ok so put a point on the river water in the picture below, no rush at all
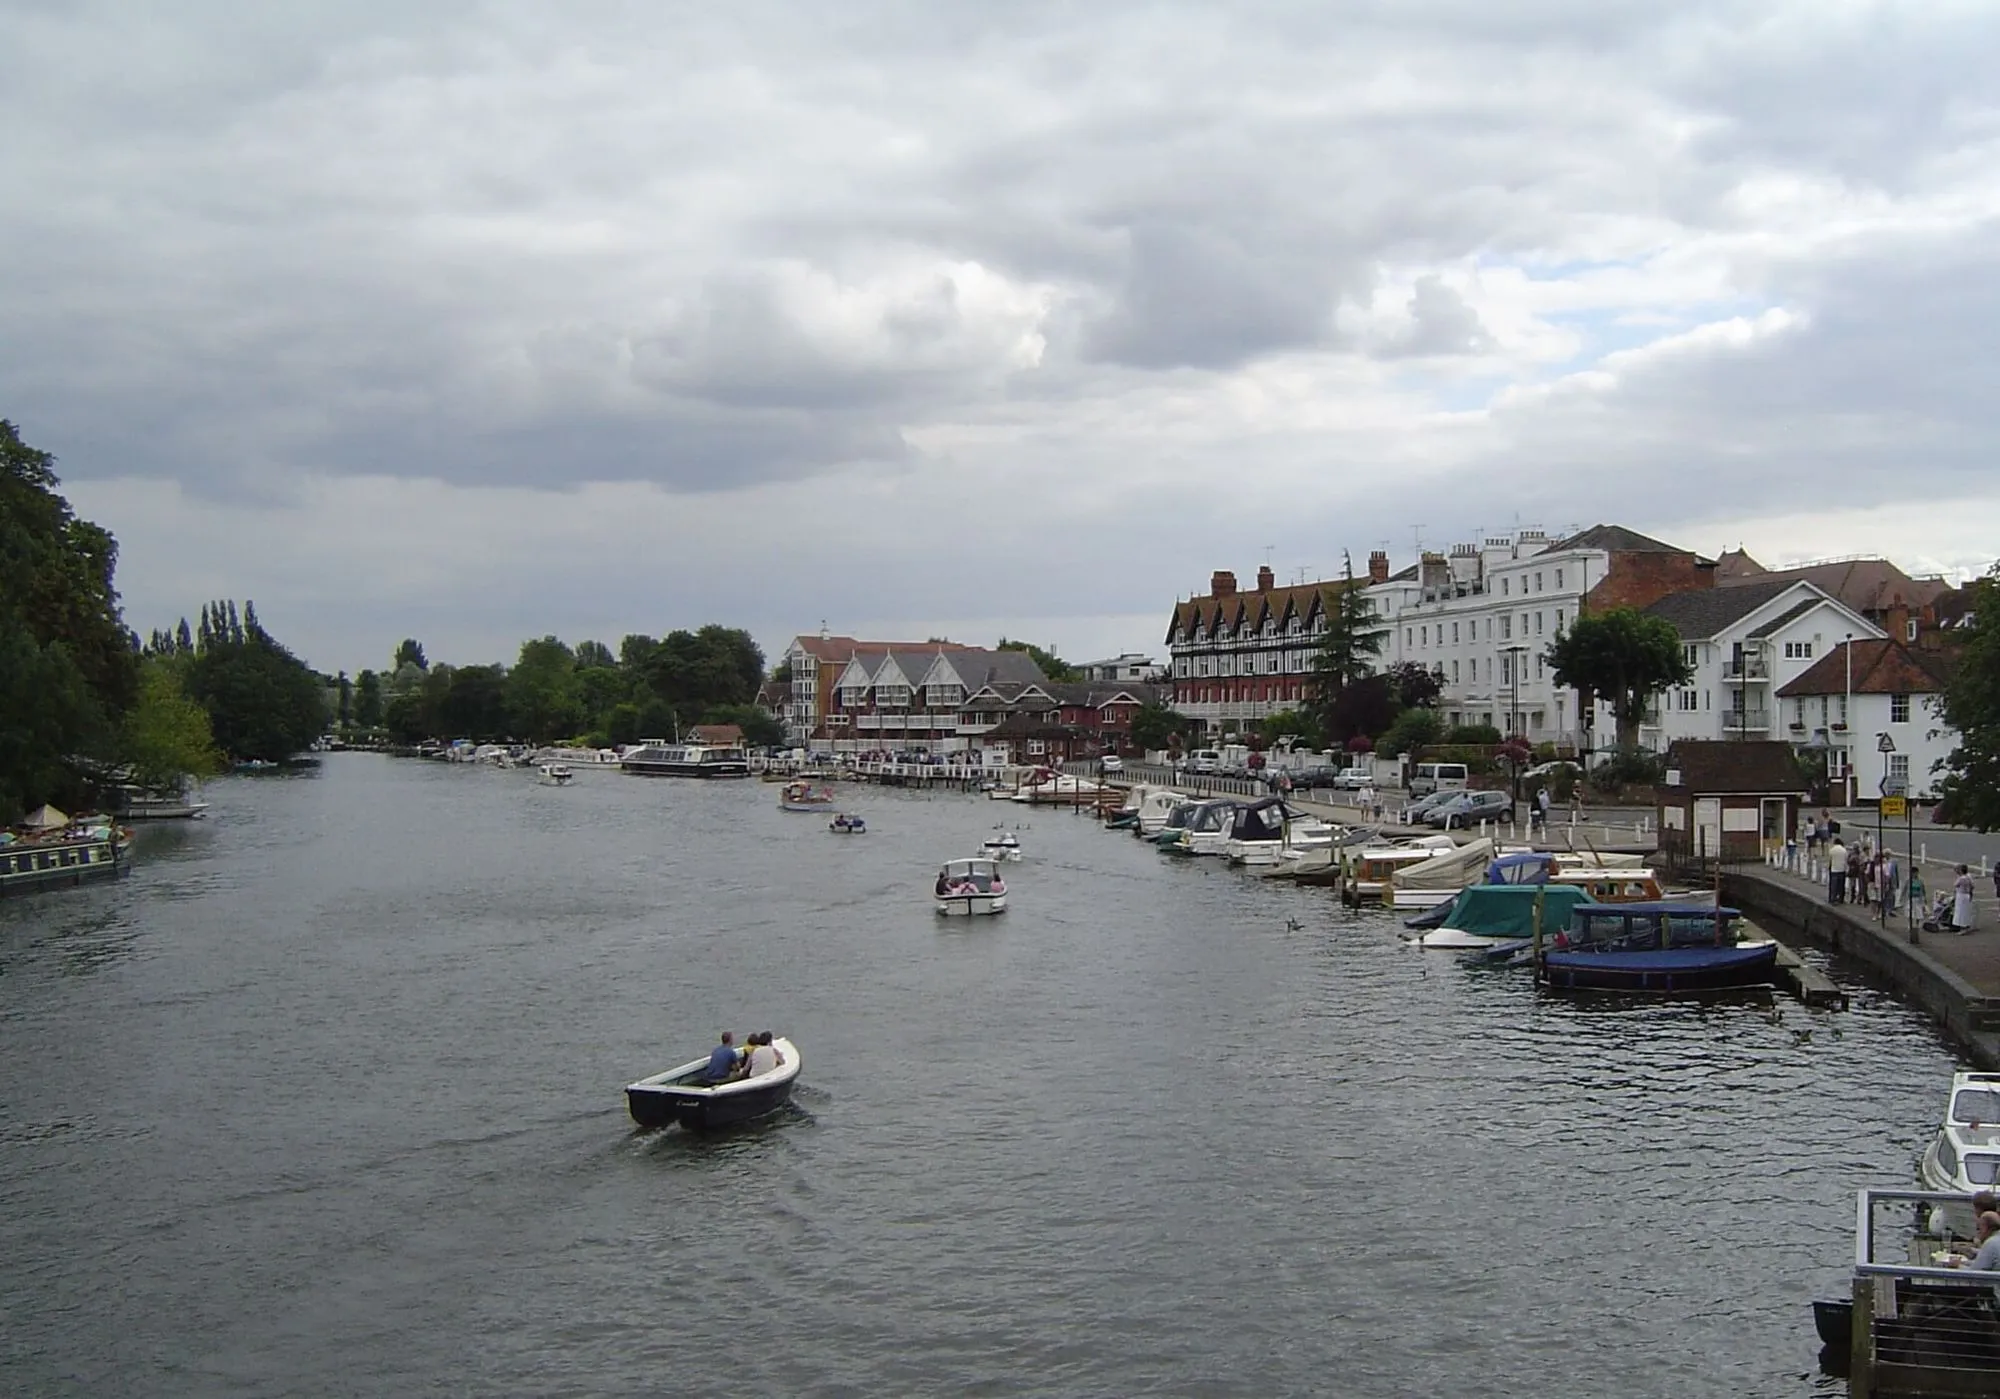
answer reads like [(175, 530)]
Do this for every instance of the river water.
[(325, 1099)]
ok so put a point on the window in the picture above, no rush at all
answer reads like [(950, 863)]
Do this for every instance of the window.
[(1473, 632), (1454, 672), (1910, 630), (1840, 710), (1507, 670), (1538, 624), (1423, 636), (1538, 667), (1559, 583), (1691, 653), (1899, 709), (1506, 628), (1798, 650), (1899, 768), (1454, 633), (1684, 700), (1559, 611), (1538, 582), (1409, 636), (1506, 586)]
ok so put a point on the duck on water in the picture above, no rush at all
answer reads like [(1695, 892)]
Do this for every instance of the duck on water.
[(725, 1086)]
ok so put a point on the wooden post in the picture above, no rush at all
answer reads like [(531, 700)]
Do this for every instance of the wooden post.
[(1861, 1345)]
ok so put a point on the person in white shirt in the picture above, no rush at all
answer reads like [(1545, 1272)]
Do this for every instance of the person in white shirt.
[(764, 1056)]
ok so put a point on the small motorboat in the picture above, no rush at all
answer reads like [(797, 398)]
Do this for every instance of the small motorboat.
[(681, 1095), (555, 775), (1004, 846), (970, 887), (805, 796), (1488, 915), (1833, 1318), (847, 824), (1653, 948), (1965, 1153)]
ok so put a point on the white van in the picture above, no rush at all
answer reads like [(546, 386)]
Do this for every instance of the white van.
[(1204, 760), (1437, 777)]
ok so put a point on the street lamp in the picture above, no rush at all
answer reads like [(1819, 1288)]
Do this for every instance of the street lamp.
[(1847, 724)]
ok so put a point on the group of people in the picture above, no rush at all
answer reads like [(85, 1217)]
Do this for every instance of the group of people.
[(1858, 873), (1985, 1234), (727, 1063)]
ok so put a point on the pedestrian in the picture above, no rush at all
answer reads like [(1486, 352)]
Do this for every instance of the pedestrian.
[(1891, 876), (1542, 800), (1836, 872), (1961, 901)]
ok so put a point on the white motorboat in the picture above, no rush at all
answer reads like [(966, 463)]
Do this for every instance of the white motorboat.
[(1207, 829), (1267, 831), (970, 887), (1965, 1154), (1004, 845), (138, 804), (1155, 806), (555, 775), (579, 760), (1057, 787)]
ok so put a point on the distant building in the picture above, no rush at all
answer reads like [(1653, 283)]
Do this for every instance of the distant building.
[(1130, 666), (717, 735), (814, 664), (1861, 691), (1241, 657), (919, 698), (1873, 587)]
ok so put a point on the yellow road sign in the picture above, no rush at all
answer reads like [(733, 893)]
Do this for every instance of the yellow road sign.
[(1892, 806)]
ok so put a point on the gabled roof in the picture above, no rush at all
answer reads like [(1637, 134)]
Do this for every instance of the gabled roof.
[(1884, 667), (1700, 613), (1759, 765), (1615, 539), (718, 735), (1863, 585), (1208, 610), (1096, 694)]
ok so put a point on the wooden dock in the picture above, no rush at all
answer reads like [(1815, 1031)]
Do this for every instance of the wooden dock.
[(1812, 987)]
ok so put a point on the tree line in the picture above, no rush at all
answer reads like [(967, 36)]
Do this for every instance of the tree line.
[(553, 693)]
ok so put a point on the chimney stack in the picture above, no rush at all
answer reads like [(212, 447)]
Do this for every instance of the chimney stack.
[(1265, 578), (1378, 567), (1222, 583), (1896, 621)]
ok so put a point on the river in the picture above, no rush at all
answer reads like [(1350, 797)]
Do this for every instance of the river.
[(325, 1099)]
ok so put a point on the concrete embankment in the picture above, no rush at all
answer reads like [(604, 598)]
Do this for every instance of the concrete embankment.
[(1952, 978)]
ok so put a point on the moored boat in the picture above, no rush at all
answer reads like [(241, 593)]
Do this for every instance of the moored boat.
[(1654, 949), (174, 804), (655, 758), (1486, 916), (1270, 831), (683, 1096), (1965, 1153), (1206, 829), (49, 849), (970, 887), (1371, 868)]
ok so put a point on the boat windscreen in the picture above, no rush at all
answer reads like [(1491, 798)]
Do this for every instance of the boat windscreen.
[(1981, 1170), (1976, 1105)]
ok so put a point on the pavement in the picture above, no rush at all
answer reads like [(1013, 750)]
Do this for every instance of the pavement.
[(1975, 956)]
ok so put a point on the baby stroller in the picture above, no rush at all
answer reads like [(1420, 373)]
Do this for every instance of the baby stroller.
[(1940, 917)]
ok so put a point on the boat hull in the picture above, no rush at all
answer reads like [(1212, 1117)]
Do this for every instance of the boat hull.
[(675, 1098), (1664, 972), (654, 768), (27, 868), (970, 905), (1833, 1318)]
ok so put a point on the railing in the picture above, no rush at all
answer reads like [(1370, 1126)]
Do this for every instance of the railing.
[(1745, 670), (1746, 720)]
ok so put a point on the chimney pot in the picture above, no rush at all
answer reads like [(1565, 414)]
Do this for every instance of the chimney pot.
[(1265, 578), (1378, 567), (1222, 583)]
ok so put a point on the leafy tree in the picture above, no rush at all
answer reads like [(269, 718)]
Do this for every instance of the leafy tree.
[(1366, 707), (262, 701), (409, 651), (593, 654), (344, 710), (471, 702), (783, 674), (69, 668), (1156, 727), (1416, 686), (1347, 647), (1413, 729), (1970, 703), (759, 729), (543, 699), (367, 699), (1294, 724), (1623, 656), (1472, 733), (166, 737), (1052, 665)]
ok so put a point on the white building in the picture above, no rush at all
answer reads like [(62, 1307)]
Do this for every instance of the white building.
[(1856, 694)]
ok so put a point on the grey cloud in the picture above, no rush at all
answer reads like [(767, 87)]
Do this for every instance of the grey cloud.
[(1441, 323)]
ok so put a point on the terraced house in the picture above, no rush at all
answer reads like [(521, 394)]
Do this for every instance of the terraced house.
[(924, 698)]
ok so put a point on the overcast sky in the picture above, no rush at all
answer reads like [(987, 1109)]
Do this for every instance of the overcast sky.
[(476, 322)]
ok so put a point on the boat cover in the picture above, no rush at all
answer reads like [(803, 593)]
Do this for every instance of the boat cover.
[(1508, 910), (1448, 869), (1526, 867), (1262, 820)]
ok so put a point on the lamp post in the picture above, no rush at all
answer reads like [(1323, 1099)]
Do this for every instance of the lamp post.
[(1847, 724)]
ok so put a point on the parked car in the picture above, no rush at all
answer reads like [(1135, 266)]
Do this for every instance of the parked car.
[(1415, 813), (1353, 779), (1550, 769), (1206, 760), (1111, 762), (1470, 808)]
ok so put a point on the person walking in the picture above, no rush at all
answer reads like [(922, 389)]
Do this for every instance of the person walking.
[(1961, 901), (1891, 876), (1836, 872)]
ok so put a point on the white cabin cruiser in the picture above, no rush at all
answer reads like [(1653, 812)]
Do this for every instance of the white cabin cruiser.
[(969, 888), (1263, 831), (1207, 829), (1965, 1154), (555, 775), (1155, 806), (1003, 845)]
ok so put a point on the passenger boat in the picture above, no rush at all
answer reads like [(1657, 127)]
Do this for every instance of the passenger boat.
[(680, 1096), (1653, 948), (139, 804), (1965, 1153), (846, 824), (805, 796), (655, 758), (49, 850), (555, 775), (1487, 916), (1003, 846), (969, 888)]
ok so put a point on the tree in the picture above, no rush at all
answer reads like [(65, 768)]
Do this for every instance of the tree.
[(471, 702), (1052, 665), (592, 654), (1347, 648), (1156, 727), (1367, 706), (262, 701), (69, 668), (543, 700), (1416, 686), (409, 651), (368, 700), (1970, 704), (760, 730), (344, 711), (1413, 729), (166, 737), (1624, 657)]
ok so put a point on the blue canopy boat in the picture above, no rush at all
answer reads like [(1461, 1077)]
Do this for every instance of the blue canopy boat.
[(1654, 948)]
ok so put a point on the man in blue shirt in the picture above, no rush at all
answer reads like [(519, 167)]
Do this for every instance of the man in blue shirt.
[(722, 1060)]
